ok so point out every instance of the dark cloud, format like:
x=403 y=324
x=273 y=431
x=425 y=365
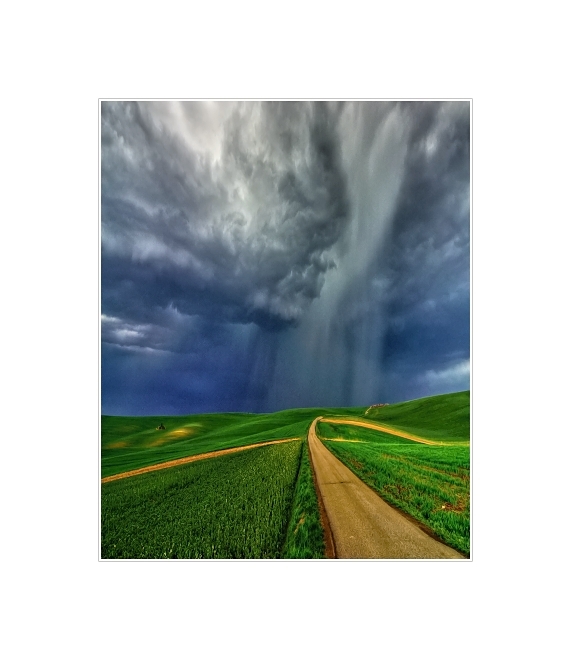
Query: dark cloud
x=267 y=255
x=250 y=219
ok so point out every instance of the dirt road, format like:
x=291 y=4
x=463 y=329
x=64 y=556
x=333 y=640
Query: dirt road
x=363 y=525
x=189 y=459
x=385 y=429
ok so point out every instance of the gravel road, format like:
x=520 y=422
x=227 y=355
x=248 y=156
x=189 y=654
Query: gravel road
x=363 y=525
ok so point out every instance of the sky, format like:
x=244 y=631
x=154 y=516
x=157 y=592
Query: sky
x=257 y=256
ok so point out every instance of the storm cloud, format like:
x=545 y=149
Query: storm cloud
x=246 y=213
x=261 y=255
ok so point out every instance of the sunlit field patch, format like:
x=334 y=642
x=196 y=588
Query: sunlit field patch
x=118 y=444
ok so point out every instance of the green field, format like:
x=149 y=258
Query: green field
x=332 y=430
x=261 y=502
x=445 y=417
x=305 y=539
x=235 y=506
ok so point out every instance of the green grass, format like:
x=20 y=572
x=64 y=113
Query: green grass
x=329 y=430
x=305 y=538
x=445 y=417
x=236 y=506
x=141 y=432
x=430 y=483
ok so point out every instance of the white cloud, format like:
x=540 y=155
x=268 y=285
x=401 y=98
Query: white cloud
x=456 y=374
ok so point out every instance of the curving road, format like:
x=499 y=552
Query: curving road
x=385 y=429
x=364 y=526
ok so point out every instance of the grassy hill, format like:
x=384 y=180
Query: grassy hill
x=441 y=417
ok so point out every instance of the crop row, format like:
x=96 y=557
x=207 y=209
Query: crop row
x=234 y=506
x=305 y=539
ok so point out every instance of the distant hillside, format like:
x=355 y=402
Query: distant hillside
x=442 y=416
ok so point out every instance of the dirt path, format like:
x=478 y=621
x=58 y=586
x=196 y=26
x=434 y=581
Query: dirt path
x=380 y=427
x=363 y=525
x=190 y=459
